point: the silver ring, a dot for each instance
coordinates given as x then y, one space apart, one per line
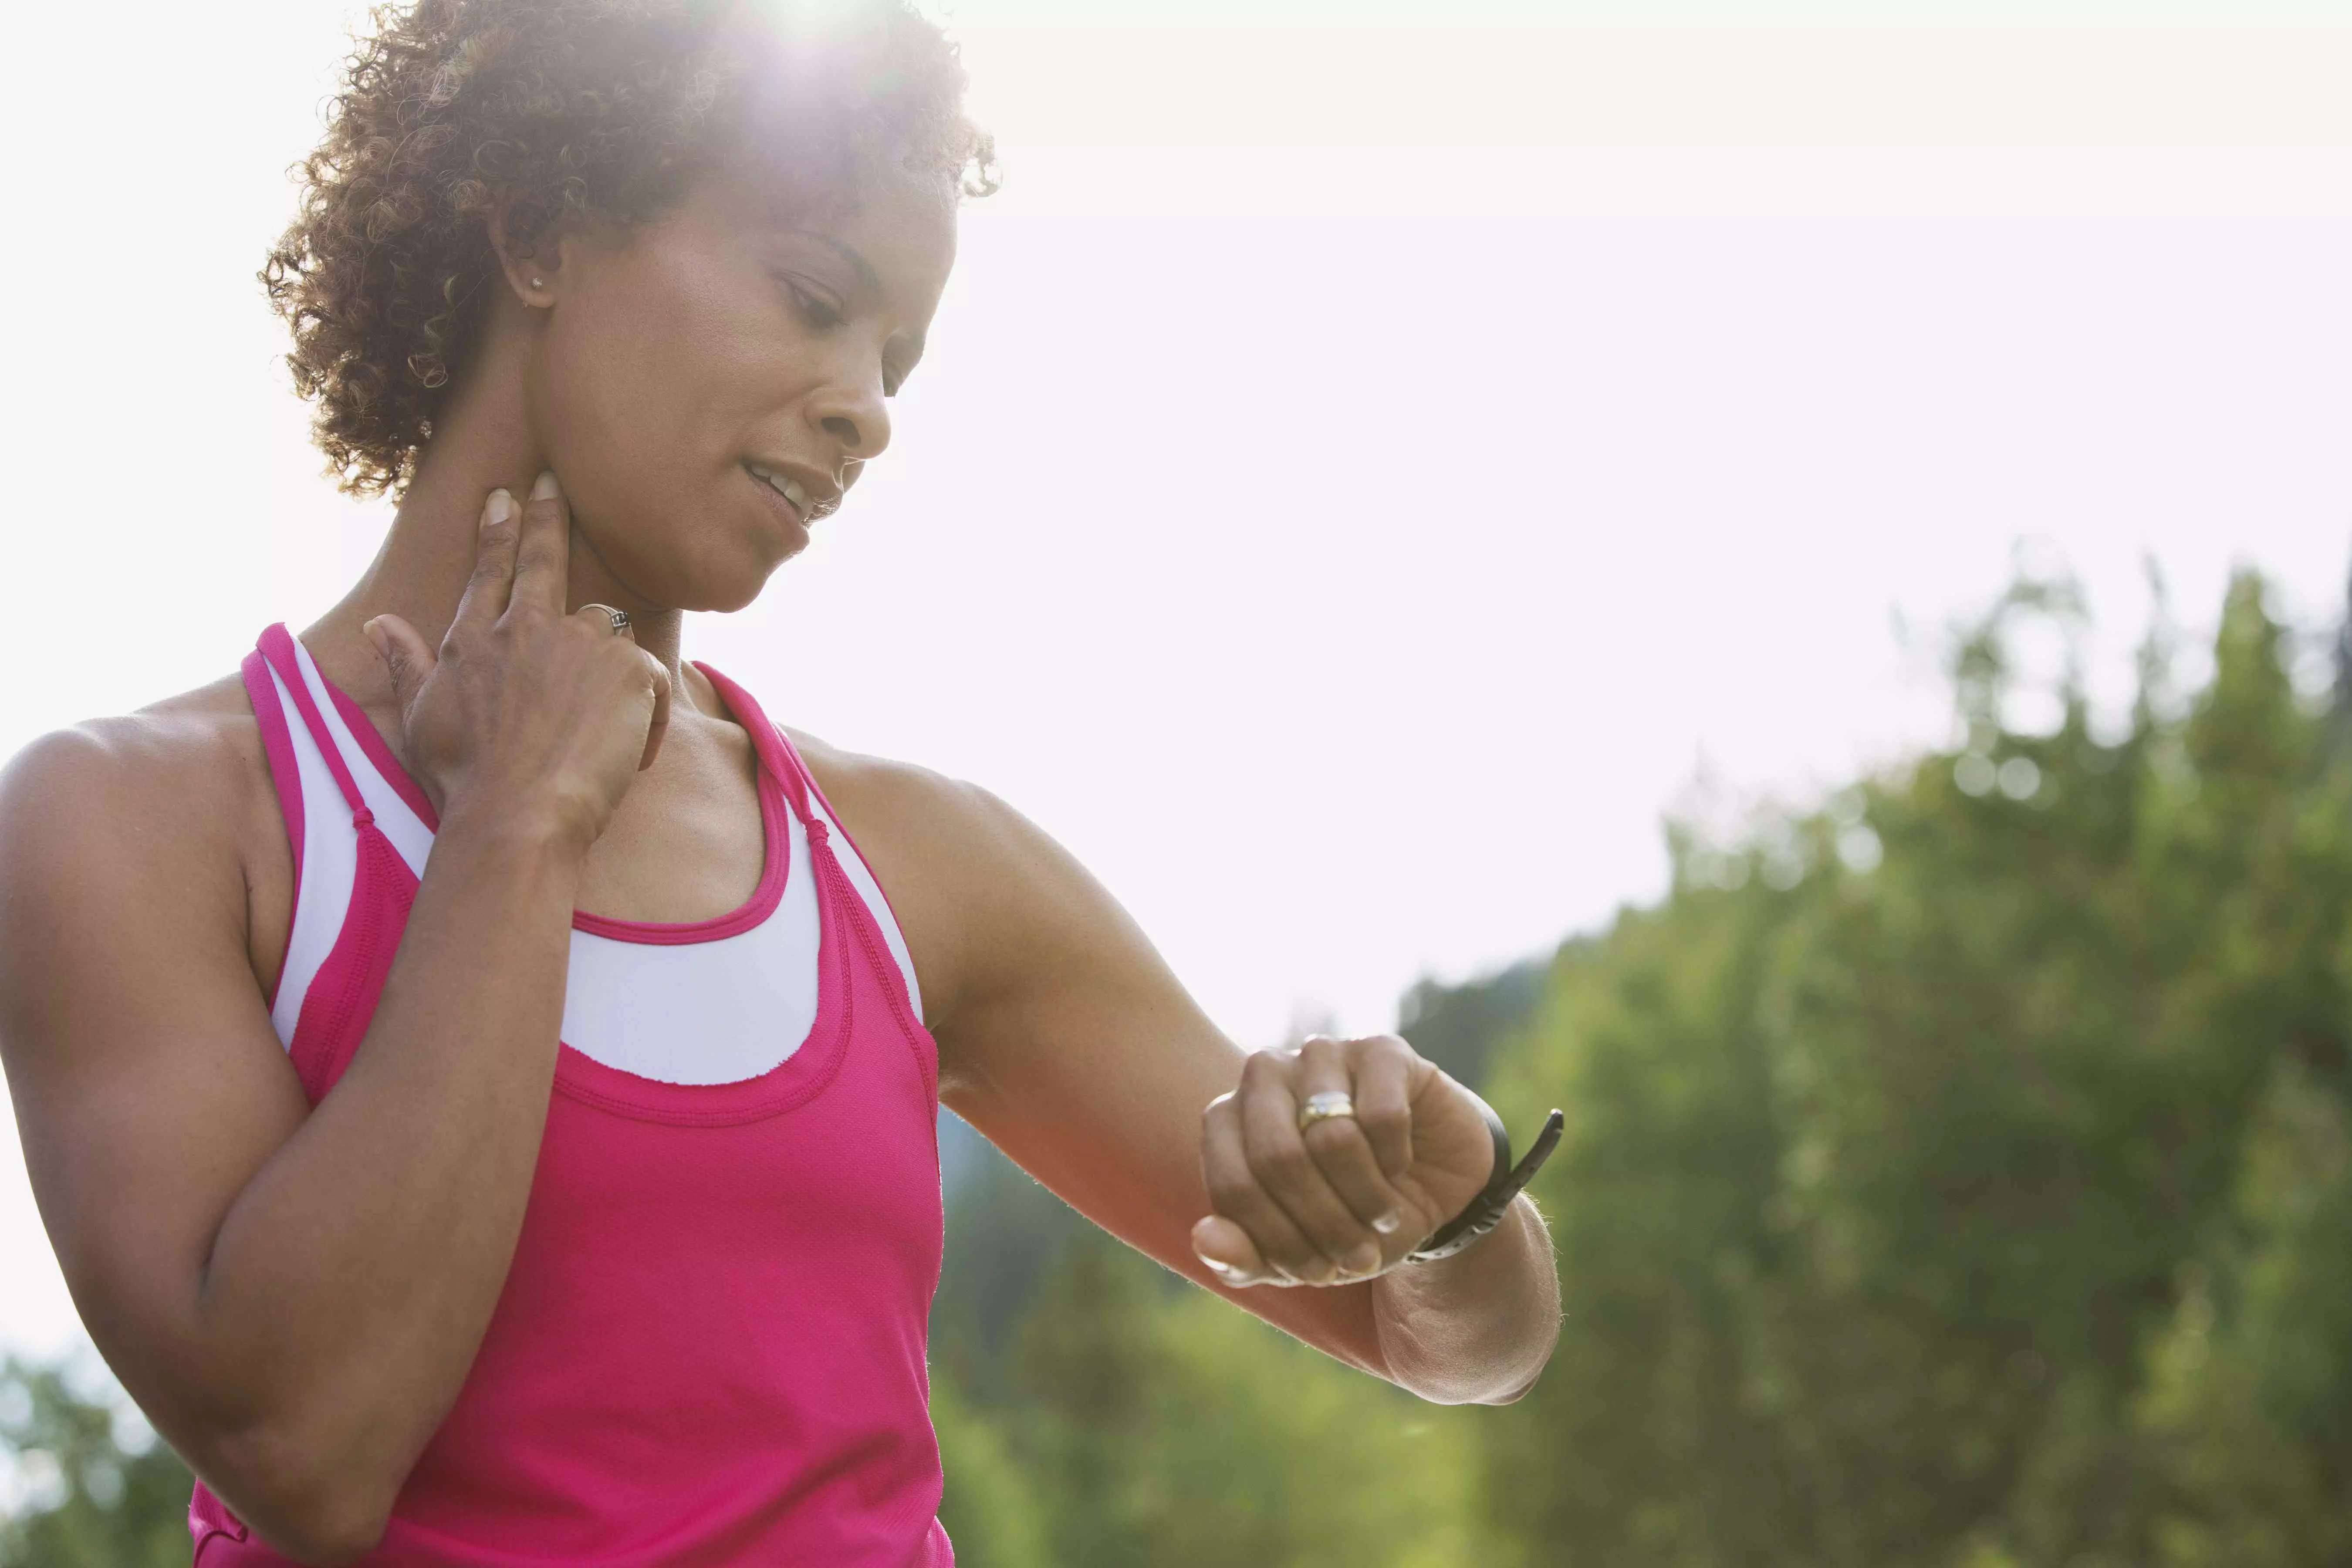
1329 1105
620 618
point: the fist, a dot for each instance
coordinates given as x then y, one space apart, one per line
1348 1196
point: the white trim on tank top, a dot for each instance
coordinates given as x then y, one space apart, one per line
686 1012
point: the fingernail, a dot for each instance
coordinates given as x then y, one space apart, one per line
1386 1225
1225 1271
374 632
543 488
1365 1260
499 507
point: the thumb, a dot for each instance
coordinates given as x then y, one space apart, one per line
1228 1252
659 726
405 658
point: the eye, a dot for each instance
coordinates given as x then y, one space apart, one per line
819 312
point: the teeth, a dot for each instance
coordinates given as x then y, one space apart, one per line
789 488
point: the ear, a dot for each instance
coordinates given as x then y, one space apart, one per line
535 280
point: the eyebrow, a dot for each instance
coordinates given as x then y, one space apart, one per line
858 263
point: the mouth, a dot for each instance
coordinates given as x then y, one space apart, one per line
806 508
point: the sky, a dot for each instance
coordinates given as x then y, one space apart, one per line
1373 460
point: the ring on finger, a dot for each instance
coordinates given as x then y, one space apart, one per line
620 618
1329 1105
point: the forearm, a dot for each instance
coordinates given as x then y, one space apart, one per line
1475 1328
349 1284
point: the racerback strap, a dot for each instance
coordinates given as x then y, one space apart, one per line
278 648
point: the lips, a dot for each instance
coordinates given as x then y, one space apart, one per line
795 494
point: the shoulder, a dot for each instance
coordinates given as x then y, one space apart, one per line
945 832
174 762
160 802
916 808
983 893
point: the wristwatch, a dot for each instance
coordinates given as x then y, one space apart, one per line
1486 1211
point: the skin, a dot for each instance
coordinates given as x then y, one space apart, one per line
294 1296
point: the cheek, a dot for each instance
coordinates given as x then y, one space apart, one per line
648 389
613 396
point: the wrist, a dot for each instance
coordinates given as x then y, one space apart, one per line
1495 1200
500 832
1477 1254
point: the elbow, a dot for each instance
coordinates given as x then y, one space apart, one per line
333 1536
306 1505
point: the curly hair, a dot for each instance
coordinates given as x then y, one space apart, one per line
549 112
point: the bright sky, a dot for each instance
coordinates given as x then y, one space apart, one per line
1371 457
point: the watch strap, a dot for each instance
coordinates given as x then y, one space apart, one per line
1487 1210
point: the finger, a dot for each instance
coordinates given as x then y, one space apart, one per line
494 563
1279 1160
405 658
1338 1144
543 555
1383 1096
1230 1254
1234 1195
659 726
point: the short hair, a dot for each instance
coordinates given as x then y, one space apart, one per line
553 111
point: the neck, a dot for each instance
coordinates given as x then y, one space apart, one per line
483 441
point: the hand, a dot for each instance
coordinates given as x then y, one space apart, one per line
526 710
1352 1196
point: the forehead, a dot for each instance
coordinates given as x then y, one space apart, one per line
906 231
899 237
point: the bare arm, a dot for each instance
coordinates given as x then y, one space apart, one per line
294 1296
1066 1039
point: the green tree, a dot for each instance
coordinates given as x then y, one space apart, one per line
1166 1429
1913 1141
991 1509
96 1500
1459 1027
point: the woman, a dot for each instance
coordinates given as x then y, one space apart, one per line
571 1194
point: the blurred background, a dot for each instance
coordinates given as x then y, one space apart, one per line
1770 575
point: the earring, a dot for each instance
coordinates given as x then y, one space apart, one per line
538 282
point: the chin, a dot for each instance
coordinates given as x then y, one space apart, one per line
706 570
727 604
730 585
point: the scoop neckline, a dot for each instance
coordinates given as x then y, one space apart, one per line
776 841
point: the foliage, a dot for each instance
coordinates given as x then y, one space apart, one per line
1460 1028
89 1497
1970 1184
1127 1417
1166 1430
991 1509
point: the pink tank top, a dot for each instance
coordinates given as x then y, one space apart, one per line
710 1348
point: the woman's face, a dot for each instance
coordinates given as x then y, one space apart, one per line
708 382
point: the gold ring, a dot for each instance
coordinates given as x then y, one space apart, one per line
1325 1107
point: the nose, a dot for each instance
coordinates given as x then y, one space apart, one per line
856 418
